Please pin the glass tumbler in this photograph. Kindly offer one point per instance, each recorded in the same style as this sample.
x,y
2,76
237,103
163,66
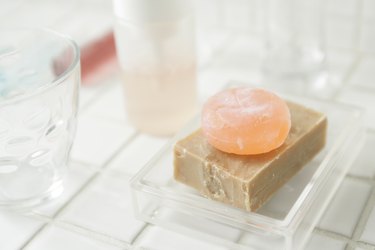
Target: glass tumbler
x,y
155,42
295,58
39,84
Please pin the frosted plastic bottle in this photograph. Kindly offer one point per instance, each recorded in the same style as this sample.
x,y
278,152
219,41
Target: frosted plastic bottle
x,y
156,48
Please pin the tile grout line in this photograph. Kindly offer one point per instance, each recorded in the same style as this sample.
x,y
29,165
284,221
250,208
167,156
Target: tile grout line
x,y
40,229
331,234
361,223
136,238
342,238
368,180
79,229
365,245
89,232
240,237
82,188
85,164
98,171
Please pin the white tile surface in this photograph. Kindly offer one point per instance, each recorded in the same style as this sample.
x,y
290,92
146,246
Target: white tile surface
x,y
367,39
207,13
340,32
110,105
56,238
63,16
98,139
345,8
222,233
338,63
44,12
98,15
264,241
361,98
105,207
256,11
87,93
75,178
137,154
211,81
209,42
364,165
15,230
156,238
365,73
322,242
369,232
236,14
346,207
241,59
9,6
369,9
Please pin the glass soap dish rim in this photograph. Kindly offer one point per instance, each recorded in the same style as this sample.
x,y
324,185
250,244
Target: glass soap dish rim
x,y
251,220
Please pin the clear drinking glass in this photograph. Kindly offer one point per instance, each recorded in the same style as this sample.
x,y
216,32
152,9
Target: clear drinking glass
x,y
295,56
155,42
39,84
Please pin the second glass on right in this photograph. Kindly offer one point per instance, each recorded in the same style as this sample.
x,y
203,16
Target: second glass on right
x,y
294,58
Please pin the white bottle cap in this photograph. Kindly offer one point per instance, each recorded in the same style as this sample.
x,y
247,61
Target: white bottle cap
x,y
149,11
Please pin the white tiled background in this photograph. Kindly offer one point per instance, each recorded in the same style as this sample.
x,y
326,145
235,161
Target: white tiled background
x,y
95,210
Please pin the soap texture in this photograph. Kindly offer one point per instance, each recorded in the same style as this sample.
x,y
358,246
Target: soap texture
x,y
245,121
248,181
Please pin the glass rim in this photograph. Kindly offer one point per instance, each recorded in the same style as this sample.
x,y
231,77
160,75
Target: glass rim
x,y
50,84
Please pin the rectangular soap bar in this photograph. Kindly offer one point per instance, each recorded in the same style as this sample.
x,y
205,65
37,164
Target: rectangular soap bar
x,y
249,181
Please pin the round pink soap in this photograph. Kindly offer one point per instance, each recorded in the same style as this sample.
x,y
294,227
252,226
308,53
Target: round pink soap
x,y
245,121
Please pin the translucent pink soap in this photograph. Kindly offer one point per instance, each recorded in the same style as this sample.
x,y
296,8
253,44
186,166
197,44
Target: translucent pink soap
x,y
245,121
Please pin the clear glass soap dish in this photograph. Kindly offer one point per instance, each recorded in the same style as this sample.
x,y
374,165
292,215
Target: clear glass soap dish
x,y
284,222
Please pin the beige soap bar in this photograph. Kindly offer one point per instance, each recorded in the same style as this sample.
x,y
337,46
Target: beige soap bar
x,y
249,181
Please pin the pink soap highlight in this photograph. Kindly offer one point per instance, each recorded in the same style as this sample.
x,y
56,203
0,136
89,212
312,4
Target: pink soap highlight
x,y
245,121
